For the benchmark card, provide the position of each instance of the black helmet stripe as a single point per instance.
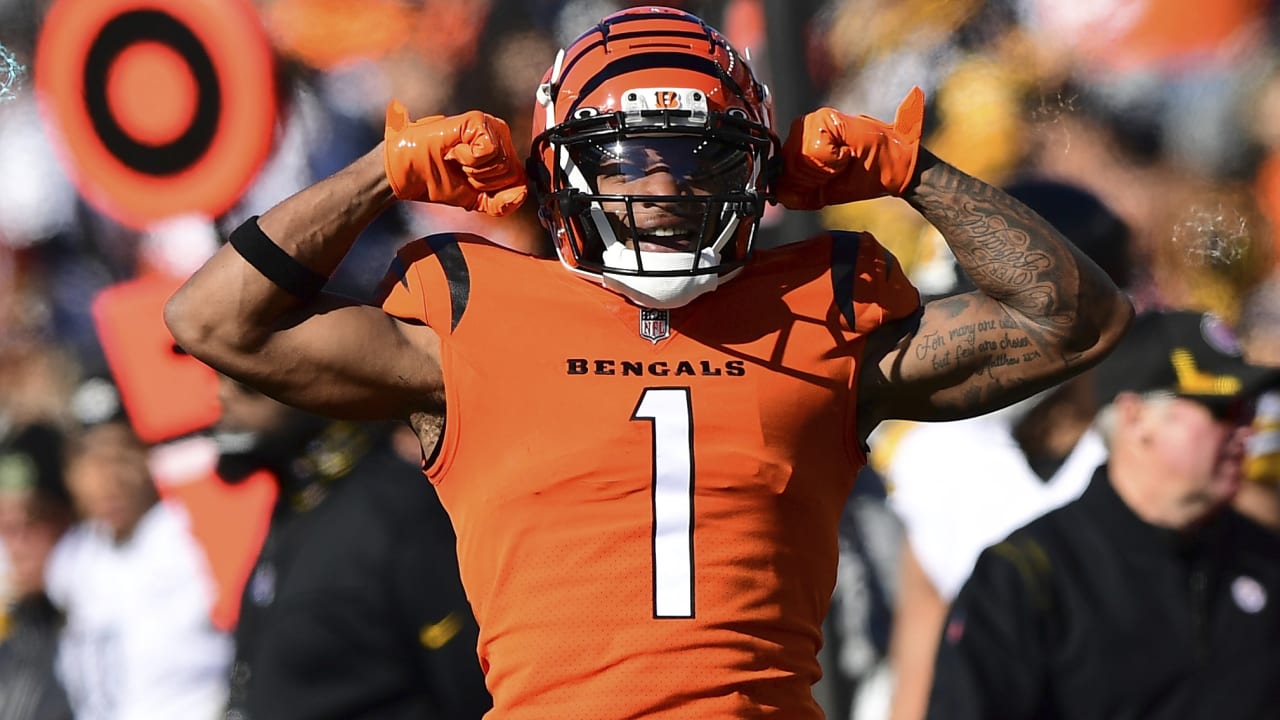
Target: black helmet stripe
(568, 66)
(604, 28)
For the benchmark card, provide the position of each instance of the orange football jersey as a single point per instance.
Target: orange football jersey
(646, 502)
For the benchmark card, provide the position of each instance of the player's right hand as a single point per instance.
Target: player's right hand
(465, 160)
(830, 158)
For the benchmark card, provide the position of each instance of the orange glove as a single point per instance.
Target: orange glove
(465, 160)
(830, 158)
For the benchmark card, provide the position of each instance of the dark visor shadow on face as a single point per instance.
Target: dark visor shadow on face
(703, 165)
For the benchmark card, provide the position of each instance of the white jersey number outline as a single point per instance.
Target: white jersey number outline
(670, 412)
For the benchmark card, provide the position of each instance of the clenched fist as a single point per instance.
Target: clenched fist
(464, 160)
(830, 158)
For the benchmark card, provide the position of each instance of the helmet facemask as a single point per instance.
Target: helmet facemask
(659, 205)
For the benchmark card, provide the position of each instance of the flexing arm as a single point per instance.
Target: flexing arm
(1042, 311)
(330, 355)
(315, 355)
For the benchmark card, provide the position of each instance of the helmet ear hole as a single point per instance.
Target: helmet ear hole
(535, 171)
(540, 186)
(539, 177)
(571, 204)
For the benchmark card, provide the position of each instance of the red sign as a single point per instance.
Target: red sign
(166, 393)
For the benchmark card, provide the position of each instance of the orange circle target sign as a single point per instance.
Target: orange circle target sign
(162, 107)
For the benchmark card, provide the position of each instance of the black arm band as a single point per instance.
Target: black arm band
(275, 264)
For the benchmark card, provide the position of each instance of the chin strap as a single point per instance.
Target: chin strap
(659, 292)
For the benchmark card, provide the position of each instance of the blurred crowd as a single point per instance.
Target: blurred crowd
(1164, 112)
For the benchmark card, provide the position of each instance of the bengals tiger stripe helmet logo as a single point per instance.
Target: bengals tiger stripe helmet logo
(653, 155)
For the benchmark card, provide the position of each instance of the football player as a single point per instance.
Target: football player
(645, 447)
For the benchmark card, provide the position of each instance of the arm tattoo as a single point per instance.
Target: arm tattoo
(1010, 253)
(1040, 310)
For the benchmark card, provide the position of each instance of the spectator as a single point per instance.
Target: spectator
(861, 616)
(1259, 496)
(139, 641)
(961, 486)
(35, 510)
(1148, 596)
(354, 607)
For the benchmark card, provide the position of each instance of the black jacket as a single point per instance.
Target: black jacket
(354, 608)
(29, 688)
(1088, 612)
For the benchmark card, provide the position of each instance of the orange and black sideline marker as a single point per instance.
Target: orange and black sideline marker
(161, 107)
(169, 395)
(166, 393)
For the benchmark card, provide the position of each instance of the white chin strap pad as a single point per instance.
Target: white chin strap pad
(660, 293)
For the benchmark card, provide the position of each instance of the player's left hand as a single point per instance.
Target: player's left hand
(830, 158)
(465, 160)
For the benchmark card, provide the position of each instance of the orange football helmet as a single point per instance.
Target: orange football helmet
(653, 155)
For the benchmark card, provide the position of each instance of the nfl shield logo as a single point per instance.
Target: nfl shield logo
(655, 325)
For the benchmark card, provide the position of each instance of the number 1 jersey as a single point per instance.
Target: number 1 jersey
(646, 502)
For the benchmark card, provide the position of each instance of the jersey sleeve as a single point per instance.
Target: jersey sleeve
(881, 291)
(429, 281)
(402, 292)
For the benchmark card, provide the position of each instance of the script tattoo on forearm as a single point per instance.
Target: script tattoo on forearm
(988, 354)
(1009, 252)
(1002, 344)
